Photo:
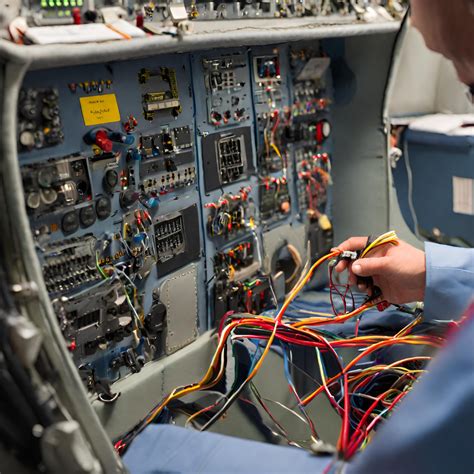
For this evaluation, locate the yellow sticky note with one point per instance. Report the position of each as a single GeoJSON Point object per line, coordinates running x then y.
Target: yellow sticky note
{"type": "Point", "coordinates": [99, 109]}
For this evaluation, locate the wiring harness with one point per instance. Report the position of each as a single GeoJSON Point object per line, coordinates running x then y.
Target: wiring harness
{"type": "Point", "coordinates": [363, 392]}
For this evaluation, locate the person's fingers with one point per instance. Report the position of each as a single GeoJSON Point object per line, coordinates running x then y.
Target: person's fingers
{"type": "Point", "coordinates": [354, 243]}
{"type": "Point", "coordinates": [371, 266]}
{"type": "Point", "coordinates": [341, 266]}
{"type": "Point", "coordinates": [351, 279]}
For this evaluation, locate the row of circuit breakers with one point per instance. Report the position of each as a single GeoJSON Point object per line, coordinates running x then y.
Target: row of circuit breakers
{"type": "Point", "coordinates": [50, 12]}
{"type": "Point", "coordinates": [151, 184]}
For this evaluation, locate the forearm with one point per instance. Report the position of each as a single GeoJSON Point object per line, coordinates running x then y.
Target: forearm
{"type": "Point", "coordinates": [449, 281]}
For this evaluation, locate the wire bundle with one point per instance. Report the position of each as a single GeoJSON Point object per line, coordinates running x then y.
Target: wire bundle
{"type": "Point", "coordinates": [361, 394]}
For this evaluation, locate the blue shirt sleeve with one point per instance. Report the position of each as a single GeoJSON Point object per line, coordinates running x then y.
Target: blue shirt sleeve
{"type": "Point", "coordinates": [431, 432]}
{"type": "Point", "coordinates": [449, 281]}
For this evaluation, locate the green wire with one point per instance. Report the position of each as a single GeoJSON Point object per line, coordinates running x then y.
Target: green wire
{"type": "Point", "coordinates": [104, 275]}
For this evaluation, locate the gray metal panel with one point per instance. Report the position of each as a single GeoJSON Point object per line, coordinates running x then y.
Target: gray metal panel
{"type": "Point", "coordinates": [179, 294]}
{"type": "Point", "coordinates": [275, 239]}
{"type": "Point", "coordinates": [360, 143]}
{"type": "Point", "coordinates": [140, 393]}
{"type": "Point", "coordinates": [255, 32]}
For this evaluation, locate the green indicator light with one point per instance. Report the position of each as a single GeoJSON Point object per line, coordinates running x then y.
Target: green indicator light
{"type": "Point", "coordinates": [44, 3]}
{"type": "Point", "coordinates": [51, 3]}
{"type": "Point", "coordinates": [80, 3]}
{"type": "Point", "coordinates": [58, 3]}
{"type": "Point", "coordinates": [67, 12]}
{"type": "Point", "coordinates": [73, 3]}
{"type": "Point", "coordinates": [60, 13]}
{"type": "Point", "coordinates": [66, 3]}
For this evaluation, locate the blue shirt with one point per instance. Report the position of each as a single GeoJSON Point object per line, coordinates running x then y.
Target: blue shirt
{"type": "Point", "coordinates": [432, 431]}
{"type": "Point", "coordinates": [449, 281]}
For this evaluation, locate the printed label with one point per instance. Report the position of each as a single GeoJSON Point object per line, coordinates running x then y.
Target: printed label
{"type": "Point", "coordinates": [100, 109]}
{"type": "Point", "coordinates": [463, 194]}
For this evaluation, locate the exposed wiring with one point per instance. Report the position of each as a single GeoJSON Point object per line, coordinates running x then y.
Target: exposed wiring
{"type": "Point", "coordinates": [361, 394]}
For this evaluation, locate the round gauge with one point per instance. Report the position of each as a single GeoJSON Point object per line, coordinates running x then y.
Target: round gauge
{"type": "Point", "coordinates": [87, 216]}
{"type": "Point", "coordinates": [33, 200]}
{"type": "Point", "coordinates": [110, 180]}
{"type": "Point", "coordinates": [48, 196]}
{"type": "Point", "coordinates": [46, 176]}
{"type": "Point", "coordinates": [70, 222]}
{"type": "Point", "coordinates": [103, 208]}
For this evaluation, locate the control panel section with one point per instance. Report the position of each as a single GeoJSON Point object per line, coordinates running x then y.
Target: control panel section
{"type": "Point", "coordinates": [69, 264]}
{"type": "Point", "coordinates": [269, 70]}
{"type": "Point", "coordinates": [231, 214]}
{"type": "Point", "coordinates": [227, 157]}
{"type": "Point", "coordinates": [147, 177]}
{"type": "Point", "coordinates": [177, 239]}
{"type": "Point", "coordinates": [39, 119]}
{"type": "Point", "coordinates": [309, 131]}
{"type": "Point", "coordinates": [160, 93]}
{"type": "Point", "coordinates": [274, 199]}
{"type": "Point", "coordinates": [222, 88]}
{"type": "Point", "coordinates": [239, 286]}
{"type": "Point", "coordinates": [225, 78]}
{"type": "Point", "coordinates": [58, 184]}
{"type": "Point", "coordinates": [167, 161]}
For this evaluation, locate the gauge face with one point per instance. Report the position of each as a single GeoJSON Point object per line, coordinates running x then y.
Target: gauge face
{"type": "Point", "coordinates": [87, 216]}
{"type": "Point", "coordinates": [48, 196]}
{"type": "Point", "coordinates": [103, 207]}
{"type": "Point", "coordinates": [70, 222]}
{"type": "Point", "coordinates": [46, 176]}
{"type": "Point", "coordinates": [33, 200]}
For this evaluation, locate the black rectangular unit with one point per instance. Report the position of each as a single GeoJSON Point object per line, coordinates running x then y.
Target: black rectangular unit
{"type": "Point", "coordinates": [177, 239]}
{"type": "Point", "coordinates": [227, 157]}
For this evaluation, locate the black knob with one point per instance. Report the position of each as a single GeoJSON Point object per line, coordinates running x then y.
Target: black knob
{"type": "Point", "coordinates": [90, 16]}
{"type": "Point", "coordinates": [127, 198]}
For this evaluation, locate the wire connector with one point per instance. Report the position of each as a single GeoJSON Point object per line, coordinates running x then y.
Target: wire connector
{"type": "Point", "coordinates": [349, 254]}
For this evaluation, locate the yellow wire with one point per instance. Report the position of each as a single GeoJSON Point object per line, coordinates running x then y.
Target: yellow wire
{"type": "Point", "coordinates": [276, 150]}
{"type": "Point", "coordinates": [387, 238]}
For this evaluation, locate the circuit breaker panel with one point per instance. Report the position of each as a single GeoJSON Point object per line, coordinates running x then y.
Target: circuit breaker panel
{"type": "Point", "coordinates": [155, 189]}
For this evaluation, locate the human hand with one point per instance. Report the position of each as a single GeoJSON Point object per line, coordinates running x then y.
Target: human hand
{"type": "Point", "coordinates": [398, 270]}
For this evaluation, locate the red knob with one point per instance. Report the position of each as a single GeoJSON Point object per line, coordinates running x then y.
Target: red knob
{"type": "Point", "coordinates": [103, 141]}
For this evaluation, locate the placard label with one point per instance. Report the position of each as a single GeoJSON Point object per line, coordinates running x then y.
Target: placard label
{"type": "Point", "coordinates": [100, 109]}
